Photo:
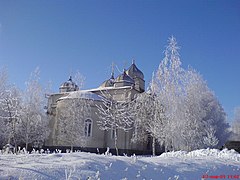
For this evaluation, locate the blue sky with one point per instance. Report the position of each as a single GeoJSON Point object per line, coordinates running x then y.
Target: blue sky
{"type": "Point", "coordinates": [62, 37]}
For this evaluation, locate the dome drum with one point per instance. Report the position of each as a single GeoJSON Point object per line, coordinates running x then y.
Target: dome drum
{"type": "Point", "coordinates": [68, 86]}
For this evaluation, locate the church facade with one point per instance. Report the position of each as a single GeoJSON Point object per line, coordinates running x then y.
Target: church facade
{"type": "Point", "coordinates": [122, 88]}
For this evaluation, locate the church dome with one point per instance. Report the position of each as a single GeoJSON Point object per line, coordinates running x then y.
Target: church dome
{"type": "Point", "coordinates": [124, 78]}
{"type": "Point", "coordinates": [133, 71]}
{"type": "Point", "coordinates": [68, 86]}
{"type": "Point", "coordinates": [108, 83]}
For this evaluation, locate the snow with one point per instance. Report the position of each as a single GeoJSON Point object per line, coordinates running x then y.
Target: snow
{"type": "Point", "coordinates": [210, 163]}
{"type": "Point", "coordinates": [85, 94]}
{"type": "Point", "coordinates": [89, 94]}
{"type": "Point", "coordinates": [110, 88]}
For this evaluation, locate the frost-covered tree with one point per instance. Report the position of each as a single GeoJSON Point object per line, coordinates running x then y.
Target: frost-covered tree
{"type": "Point", "coordinates": [10, 107]}
{"type": "Point", "coordinates": [3, 87]}
{"type": "Point", "coordinates": [216, 118]}
{"type": "Point", "coordinates": [191, 109]}
{"type": "Point", "coordinates": [169, 86]}
{"type": "Point", "coordinates": [210, 140]}
{"type": "Point", "coordinates": [71, 121]}
{"type": "Point", "coordinates": [33, 124]}
{"type": "Point", "coordinates": [192, 125]}
{"type": "Point", "coordinates": [236, 124]}
{"type": "Point", "coordinates": [10, 104]}
{"type": "Point", "coordinates": [79, 79]}
{"type": "Point", "coordinates": [71, 127]}
{"type": "Point", "coordinates": [149, 118]}
{"type": "Point", "coordinates": [198, 119]}
{"type": "Point", "coordinates": [114, 115]}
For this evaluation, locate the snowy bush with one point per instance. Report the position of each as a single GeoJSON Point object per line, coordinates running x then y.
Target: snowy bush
{"type": "Point", "coordinates": [224, 154]}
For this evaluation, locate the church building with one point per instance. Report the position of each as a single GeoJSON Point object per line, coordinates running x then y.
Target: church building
{"type": "Point", "coordinates": [124, 87]}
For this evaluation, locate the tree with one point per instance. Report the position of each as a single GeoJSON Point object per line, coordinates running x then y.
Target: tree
{"type": "Point", "coordinates": [236, 124]}
{"type": "Point", "coordinates": [196, 126]}
{"type": "Point", "coordinates": [192, 111]}
{"type": "Point", "coordinates": [10, 104]}
{"type": "Point", "coordinates": [149, 118]}
{"type": "Point", "coordinates": [169, 86]}
{"type": "Point", "coordinates": [210, 140]}
{"type": "Point", "coordinates": [79, 79]}
{"type": "Point", "coordinates": [114, 115]}
{"type": "Point", "coordinates": [33, 123]}
{"type": "Point", "coordinates": [216, 118]}
{"type": "Point", "coordinates": [3, 88]}
{"type": "Point", "coordinates": [10, 107]}
{"type": "Point", "coordinates": [72, 114]}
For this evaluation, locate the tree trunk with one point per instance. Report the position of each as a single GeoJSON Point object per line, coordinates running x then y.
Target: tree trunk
{"type": "Point", "coordinates": [153, 146]}
{"type": "Point", "coordinates": [71, 148]}
{"type": "Point", "coordinates": [26, 147]}
{"type": "Point", "coordinates": [166, 147]}
{"type": "Point", "coordinates": [26, 140]}
{"type": "Point", "coordinates": [9, 139]}
{"type": "Point", "coordinates": [172, 148]}
{"type": "Point", "coordinates": [115, 141]}
{"type": "Point", "coordinates": [14, 138]}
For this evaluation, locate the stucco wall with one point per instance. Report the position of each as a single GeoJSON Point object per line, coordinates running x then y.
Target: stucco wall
{"type": "Point", "coordinates": [98, 138]}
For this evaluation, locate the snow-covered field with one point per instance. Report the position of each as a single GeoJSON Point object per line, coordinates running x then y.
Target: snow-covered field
{"type": "Point", "coordinates": [199, 164]}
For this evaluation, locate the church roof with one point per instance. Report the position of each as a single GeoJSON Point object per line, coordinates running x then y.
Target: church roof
{"type": "Point", "coordinates": [127, 78]}
{"type": "Point", "coordinates": [133, 71]}
{"type": "Point", "coordinates": [124, 77]}
{"type": "Point", "coordinates": [84, 94]}
{"type": "Point", "coordinates": [108, 82]}
{"type": "Point", "coordinates": [70, 85]}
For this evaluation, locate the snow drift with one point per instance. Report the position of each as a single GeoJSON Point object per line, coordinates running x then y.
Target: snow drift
{"type": "Point", "coordinates": [199, 164]}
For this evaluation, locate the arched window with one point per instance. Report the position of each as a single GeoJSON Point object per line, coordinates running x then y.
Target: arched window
{"type": "Point", "coordinates": [88, 128]}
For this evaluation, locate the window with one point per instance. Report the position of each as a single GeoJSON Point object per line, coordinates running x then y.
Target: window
{"type": "Point", "coordinates": [88, 128]}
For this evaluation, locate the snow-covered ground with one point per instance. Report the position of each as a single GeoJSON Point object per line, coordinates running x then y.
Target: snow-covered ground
{"type": "Point", "coordinates": [208, 163]}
